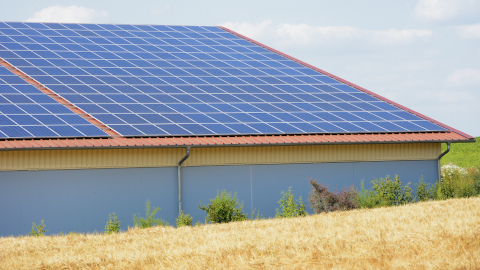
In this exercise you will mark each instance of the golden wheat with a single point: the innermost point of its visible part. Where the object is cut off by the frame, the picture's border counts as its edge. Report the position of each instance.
(431, 235)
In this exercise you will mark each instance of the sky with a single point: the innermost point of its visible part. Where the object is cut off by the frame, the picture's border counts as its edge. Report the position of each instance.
(422, 54)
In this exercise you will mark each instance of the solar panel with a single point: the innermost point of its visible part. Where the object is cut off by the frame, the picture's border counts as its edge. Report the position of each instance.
(25, 112)
(185, 80)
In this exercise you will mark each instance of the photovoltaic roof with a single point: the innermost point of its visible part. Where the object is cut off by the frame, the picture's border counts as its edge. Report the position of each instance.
(149, 80)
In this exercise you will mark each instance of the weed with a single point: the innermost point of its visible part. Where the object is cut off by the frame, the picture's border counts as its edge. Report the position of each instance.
(290, 207)
(149, 220)
(183, 220)
(113, 224)
(38, 230)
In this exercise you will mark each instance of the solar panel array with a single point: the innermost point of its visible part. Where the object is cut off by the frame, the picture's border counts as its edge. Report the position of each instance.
(25, 111)
(188, 80)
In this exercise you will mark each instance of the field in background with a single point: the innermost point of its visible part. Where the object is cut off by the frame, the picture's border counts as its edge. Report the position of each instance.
(431, 235)
(463, 154)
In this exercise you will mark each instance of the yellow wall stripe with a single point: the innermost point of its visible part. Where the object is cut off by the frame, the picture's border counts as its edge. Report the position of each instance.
(212, 156)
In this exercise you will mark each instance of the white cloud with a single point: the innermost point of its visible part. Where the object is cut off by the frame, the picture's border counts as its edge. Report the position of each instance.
(303, 34)
(464, 77)
(249, 29)
(439, 10)
(469, 31)
(71, 14)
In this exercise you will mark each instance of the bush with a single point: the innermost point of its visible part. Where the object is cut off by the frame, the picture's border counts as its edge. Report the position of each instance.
(183, 220)
(323, 200)
(385, 192)
(369, 198)
(425, 192)
(38, 230)
(113, 224)
(475, 175)
(149, 220)
(458, 182)
(224, 208)
(290, 207)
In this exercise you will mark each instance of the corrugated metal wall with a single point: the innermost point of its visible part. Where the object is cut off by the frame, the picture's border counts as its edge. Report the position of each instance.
(167, 157)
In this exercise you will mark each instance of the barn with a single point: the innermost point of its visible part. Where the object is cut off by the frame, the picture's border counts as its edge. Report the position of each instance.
(100, 118)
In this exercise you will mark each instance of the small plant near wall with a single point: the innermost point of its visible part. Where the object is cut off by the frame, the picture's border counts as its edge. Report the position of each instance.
(38, 230)
(289, 206)
(113, 224)
(149, 220)
(183, 220)
(425, 192)
(224, 208)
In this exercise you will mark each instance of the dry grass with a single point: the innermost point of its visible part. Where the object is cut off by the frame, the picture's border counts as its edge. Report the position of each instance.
(432, 235)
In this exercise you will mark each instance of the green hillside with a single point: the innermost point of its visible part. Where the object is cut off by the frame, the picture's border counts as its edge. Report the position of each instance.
(463, 154)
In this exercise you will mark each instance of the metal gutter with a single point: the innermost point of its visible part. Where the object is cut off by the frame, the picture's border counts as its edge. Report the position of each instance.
(439, 165)
(179, 175)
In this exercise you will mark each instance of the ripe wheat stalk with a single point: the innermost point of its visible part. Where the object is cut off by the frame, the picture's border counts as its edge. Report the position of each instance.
(431, 235)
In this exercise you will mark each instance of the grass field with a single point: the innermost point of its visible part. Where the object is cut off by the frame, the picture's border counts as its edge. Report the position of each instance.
(463, 154)
(431, 235)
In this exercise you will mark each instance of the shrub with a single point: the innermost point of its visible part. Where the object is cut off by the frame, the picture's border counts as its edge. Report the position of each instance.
(323, 200)
(113, 224)
(149, 220)
(224, 208)
(369, 198)
(385, 192)
(290, 207)
(183, 220)
(475, 175)
(38, 230)
(425, 192)
(459, 183)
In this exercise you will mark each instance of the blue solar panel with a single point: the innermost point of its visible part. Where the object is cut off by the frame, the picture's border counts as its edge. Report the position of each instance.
(180, 80)
(27, 112)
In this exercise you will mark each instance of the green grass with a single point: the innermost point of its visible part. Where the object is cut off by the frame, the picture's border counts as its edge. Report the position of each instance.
(463, 154)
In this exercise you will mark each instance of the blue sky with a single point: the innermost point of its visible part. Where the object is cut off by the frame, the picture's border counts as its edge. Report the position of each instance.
(423, 54)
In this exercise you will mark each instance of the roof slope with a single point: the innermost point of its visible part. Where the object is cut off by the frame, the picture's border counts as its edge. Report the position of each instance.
(151, 80)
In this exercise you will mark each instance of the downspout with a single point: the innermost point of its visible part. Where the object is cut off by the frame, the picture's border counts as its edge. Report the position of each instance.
(180, 179)
(439, 166)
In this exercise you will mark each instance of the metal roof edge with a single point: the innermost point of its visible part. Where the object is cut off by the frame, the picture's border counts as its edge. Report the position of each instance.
(347, 82)
(226, 145)
(229, 141)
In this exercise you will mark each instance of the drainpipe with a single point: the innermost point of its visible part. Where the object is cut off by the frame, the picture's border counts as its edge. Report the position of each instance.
(180, 179)
(439, 166)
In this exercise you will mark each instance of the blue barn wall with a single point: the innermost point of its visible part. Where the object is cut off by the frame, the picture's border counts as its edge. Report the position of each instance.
(80, 200)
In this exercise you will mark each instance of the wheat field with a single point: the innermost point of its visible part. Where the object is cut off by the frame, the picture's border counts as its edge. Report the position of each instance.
(431, 235)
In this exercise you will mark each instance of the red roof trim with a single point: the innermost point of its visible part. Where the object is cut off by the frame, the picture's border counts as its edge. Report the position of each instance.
(348, 83)
(261, 140)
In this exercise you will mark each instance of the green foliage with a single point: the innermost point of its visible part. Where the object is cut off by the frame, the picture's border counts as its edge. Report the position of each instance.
(425, 192)
(463, 154)
(385, 192)
(224, 208)
(149, 220)
(369, 198)
(475, 176)
(38, 230)
(113, 224)
(183, 220)
(289, 206)
(459, 184)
